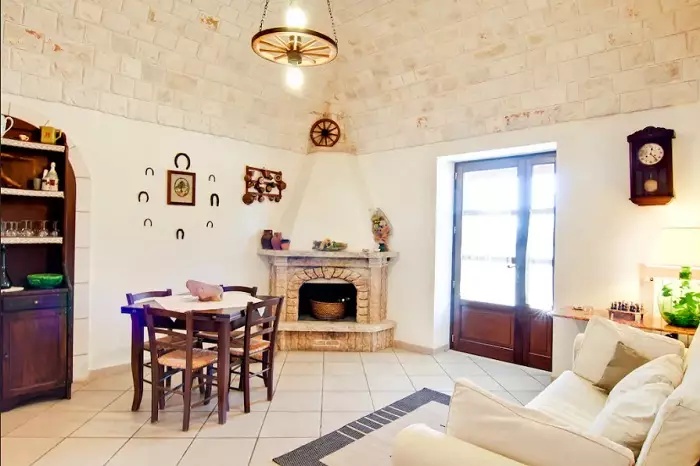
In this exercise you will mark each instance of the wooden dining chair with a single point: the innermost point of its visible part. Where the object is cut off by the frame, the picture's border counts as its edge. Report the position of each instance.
(257, 340)
(175, 355)
(212, 337)
(251, 290)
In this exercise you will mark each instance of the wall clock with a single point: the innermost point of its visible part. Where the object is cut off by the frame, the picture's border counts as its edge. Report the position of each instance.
(651, 166)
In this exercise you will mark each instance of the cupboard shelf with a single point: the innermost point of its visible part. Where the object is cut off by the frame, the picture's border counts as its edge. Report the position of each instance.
(32, 145)
(31, 240)
(31, 193)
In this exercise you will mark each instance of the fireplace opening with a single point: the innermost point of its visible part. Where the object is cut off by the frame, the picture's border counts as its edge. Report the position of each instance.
(328, 301)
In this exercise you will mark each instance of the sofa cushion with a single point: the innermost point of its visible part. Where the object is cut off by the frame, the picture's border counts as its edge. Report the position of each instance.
(571, 399)
(624, 361)
(524, 434)
(666, 369)
(600, 341)
(627, 418)
(674, 438)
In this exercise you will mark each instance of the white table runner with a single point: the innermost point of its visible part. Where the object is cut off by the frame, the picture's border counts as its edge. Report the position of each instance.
(231, 299)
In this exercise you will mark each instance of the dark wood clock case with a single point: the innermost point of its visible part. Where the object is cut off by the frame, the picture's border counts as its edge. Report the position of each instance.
(661, 172)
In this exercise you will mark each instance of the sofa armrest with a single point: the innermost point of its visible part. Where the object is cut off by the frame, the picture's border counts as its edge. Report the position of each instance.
(419, 445)
(578, 341)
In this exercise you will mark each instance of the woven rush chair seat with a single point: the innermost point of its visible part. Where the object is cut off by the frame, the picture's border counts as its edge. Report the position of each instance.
(256, 345)
(169, 341)
(178, 358)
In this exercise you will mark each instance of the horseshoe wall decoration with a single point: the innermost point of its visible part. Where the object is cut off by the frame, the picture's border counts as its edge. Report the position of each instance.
(144, 193)
(210, 224)
(187, 157)
(152, 172)
(148, 222)
(212, 178)
(212, 198)
(180, 234)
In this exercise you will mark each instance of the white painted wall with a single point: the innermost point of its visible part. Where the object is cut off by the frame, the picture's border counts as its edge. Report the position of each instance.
(601, 237)
(124, 255)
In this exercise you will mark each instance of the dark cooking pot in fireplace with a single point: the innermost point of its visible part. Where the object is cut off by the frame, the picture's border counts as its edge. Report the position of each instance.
(328, 311)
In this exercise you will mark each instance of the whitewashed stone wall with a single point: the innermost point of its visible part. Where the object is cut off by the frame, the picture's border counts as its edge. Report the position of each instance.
(421, 72)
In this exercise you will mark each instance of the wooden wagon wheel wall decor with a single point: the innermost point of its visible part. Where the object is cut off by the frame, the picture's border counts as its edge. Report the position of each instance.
(325, 133)
(261, 183)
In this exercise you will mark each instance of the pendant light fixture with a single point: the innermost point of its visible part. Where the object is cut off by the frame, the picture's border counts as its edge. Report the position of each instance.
(294, 45)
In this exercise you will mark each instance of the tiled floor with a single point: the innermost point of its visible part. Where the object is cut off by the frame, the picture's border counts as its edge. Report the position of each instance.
(316, 393)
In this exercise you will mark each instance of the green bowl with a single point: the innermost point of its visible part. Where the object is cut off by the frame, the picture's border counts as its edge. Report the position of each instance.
(45, 280)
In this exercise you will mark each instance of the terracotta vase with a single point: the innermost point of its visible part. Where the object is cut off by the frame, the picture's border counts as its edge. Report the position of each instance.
(266, 239)
(277, 241)
(285, 244)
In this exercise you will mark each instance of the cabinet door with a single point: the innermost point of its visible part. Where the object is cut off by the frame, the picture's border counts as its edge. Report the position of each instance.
(34, 351)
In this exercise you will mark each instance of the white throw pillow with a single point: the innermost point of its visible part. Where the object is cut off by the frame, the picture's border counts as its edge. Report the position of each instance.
(666, 369)
(524, 434)
(600, 341)
(628, 418)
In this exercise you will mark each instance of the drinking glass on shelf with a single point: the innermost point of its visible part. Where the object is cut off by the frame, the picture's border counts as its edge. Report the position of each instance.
(11, 229)
(26, 230)
(3, 228)
(43, 232)
(54, 232)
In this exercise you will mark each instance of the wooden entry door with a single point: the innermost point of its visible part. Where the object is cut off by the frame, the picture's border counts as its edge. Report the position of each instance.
(503, 264)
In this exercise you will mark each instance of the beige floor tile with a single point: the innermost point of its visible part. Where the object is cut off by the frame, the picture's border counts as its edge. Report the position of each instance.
(302, 368)
(300, 382)
(334, 420)
(452, 357)
(238, 425)
(518, 382)
(11, 420)
(379, 358)
(340, 356)
(493, 367)
(343, 368)
(82, 452)
(106, 425)
(506, 396)
(382, 399)
(24, 451)
(175, 403)
(123, 402)
(384, 369)
(456, 370)
(118, 382)
(423, 368)
(304, 356)
(535, 372)
(258, 400)
(345, 383)
(291, 425)
(169, 425)
(268, 448)
(87, 401)
(150, 452)
(296, 401)
(219, 452)
(484, 381)
(525, 396)
(406, 357)
(37, 406)
(53, 424)
(545, 380)
(389, 382)
(433, 382)
(347, 401)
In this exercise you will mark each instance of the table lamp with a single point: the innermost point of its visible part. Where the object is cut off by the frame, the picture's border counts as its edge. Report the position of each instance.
(679, 301)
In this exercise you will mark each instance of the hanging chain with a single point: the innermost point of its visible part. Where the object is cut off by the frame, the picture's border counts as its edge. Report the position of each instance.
(330, 13)
(262, 20)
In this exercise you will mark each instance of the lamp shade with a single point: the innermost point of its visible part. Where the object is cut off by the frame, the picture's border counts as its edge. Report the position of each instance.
(679, 247)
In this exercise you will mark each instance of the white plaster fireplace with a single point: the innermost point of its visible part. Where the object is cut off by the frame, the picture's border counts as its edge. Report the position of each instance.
(369, 330)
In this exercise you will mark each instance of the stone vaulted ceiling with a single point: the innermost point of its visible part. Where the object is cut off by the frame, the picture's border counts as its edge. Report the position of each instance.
(409, 72)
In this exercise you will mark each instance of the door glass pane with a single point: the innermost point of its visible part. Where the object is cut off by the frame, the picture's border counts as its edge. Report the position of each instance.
(540, 241)
(489, 231)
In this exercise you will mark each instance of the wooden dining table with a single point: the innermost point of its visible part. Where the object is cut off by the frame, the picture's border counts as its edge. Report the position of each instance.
(221, 321)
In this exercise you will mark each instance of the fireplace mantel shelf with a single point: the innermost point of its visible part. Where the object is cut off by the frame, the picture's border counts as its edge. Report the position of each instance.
(328, 255)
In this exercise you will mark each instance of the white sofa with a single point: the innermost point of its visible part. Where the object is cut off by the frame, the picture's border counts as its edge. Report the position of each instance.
(559, 417)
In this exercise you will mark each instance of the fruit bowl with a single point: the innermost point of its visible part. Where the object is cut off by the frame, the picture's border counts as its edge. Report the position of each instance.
(45, 280)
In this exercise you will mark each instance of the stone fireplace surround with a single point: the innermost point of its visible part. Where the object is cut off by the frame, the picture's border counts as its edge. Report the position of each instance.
(367, 271)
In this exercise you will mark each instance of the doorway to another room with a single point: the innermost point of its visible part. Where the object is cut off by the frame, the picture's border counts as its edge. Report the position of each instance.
(503, 259)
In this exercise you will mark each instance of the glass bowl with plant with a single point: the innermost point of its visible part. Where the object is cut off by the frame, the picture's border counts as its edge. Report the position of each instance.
(679, 301)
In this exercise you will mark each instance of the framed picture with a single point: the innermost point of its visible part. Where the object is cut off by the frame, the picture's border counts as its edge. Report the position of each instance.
(181, 188)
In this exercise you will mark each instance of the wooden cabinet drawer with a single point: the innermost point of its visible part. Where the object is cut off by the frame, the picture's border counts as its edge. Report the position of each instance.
(32, 301)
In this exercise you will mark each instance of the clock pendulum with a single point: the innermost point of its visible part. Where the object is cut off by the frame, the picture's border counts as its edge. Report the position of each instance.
(651, 185)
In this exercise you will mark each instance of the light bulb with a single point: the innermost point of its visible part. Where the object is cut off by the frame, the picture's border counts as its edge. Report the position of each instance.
(296, 17)
(295, 78)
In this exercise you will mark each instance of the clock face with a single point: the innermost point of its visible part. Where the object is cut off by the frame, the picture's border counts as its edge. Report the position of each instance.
(650, 153)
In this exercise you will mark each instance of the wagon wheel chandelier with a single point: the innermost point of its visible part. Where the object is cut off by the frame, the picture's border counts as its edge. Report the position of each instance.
(294, 45)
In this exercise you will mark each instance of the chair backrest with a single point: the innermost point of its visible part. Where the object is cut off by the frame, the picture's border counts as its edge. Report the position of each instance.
(253, 291)
(132, 298)
(161, 322)
(261, 319)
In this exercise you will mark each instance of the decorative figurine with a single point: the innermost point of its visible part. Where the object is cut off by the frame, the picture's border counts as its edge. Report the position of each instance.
(51, 179)
(381, 230)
